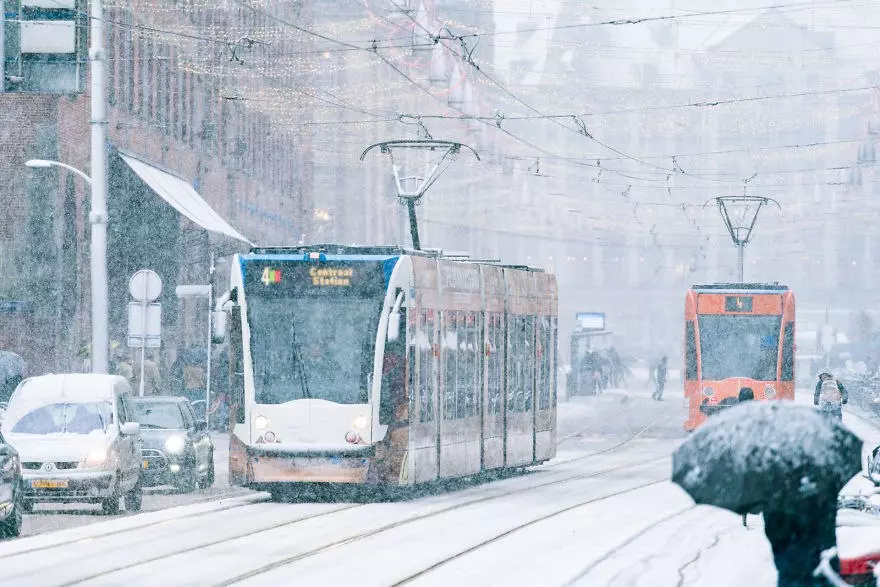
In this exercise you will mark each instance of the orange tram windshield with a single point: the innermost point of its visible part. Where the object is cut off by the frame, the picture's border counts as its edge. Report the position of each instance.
(737, 335)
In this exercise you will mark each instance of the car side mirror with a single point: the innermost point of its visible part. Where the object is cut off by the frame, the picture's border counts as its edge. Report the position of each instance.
(201, 426)
(218, 326)
(130, 429)
(393, 326)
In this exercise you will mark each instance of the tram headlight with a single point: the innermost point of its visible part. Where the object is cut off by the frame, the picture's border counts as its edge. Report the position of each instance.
(352, 437)
(261, 422)
(269, 436)
(708, 391)
(360, 423)
(769, 392)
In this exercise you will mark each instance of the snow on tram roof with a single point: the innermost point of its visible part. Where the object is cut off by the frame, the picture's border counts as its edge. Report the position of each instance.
(384, 250)
(740, 288)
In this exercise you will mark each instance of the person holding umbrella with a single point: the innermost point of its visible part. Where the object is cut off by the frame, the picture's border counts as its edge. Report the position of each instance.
(785, 461)
(830, 395)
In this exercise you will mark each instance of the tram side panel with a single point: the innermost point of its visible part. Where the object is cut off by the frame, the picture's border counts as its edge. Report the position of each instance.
(423, 423)
(520, 369)
(493, 367)
(461, 306)
(545, 373)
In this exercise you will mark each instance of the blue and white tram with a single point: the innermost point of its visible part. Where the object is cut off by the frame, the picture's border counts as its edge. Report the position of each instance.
(386, 366)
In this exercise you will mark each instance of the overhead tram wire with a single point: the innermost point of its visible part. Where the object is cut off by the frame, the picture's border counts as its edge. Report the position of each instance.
(421, 88)
(517, 138)
(582, 128)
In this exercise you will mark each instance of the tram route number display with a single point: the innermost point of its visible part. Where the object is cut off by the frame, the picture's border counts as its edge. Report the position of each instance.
(299, 278)
(738, 304)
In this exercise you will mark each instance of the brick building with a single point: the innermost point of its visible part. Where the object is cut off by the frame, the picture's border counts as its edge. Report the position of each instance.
(164, 110)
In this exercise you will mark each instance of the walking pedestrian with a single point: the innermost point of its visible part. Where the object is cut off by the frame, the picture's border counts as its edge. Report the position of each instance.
(830, 395)
(662, 371)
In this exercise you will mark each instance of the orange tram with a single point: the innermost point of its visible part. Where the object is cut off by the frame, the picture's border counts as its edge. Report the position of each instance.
(737, 335)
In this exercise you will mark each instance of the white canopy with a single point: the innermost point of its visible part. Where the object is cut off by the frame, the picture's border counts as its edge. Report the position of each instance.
(182, 197)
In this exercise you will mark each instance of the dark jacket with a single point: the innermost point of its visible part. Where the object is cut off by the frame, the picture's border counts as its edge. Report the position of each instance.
(818, 392)
(662, 371)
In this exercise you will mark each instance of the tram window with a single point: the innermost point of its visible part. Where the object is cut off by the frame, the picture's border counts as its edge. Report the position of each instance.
(788, 352)
(530, 364)
(690, 341)
(426, 343)
(468, 368)
(447, 380)
(554, 340)
(545, 345)
(494, 347)
(521, 363)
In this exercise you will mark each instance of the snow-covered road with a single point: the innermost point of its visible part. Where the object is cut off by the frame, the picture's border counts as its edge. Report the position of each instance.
(602, 513)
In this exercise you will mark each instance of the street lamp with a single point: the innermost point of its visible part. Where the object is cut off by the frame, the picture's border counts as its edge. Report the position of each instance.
(44, 163)
(98, 254)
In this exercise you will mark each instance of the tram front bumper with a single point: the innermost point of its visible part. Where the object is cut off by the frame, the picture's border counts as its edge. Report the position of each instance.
(279, 464)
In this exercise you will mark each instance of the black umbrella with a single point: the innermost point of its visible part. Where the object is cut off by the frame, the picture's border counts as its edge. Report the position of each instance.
(762, 455)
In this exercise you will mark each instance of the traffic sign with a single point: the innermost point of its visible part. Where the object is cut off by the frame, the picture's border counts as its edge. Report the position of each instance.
(144, 324)
(145, 286)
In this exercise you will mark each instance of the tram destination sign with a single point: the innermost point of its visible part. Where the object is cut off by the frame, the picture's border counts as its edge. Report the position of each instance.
(309, 278)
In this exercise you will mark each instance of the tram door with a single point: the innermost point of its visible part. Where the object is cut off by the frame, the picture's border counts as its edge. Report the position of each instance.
(424, 434)
(493, 368)
(545, 372)
(520, 369)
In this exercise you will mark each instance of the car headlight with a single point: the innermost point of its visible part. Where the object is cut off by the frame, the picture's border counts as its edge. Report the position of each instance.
(359, 423)
(97, 457)
(261, 422)
(175, 444)
(8, 466)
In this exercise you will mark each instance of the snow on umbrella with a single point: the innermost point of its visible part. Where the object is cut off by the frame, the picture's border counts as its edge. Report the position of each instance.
(763, 455)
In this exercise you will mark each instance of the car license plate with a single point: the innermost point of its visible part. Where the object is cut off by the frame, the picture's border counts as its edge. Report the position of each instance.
(49, 483)
(146, 464)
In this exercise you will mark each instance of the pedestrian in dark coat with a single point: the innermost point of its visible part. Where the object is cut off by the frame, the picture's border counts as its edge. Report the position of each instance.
(662, 370)
(833, 406)
(799, 535)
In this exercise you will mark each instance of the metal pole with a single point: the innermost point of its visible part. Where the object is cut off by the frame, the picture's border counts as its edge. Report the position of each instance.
(210, 307)
(98, 214)
(413, 223)
(143, 339)
(3, 50)
(740, 253)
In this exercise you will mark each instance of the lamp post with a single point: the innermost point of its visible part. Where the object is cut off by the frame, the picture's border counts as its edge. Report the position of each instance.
(98, 254)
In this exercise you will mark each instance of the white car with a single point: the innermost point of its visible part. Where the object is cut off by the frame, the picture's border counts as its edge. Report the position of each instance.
(77, 440)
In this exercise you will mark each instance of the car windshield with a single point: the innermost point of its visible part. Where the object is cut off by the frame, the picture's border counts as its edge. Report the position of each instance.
(69, 418)
(739, 346)
(161, 415)
(318, 348)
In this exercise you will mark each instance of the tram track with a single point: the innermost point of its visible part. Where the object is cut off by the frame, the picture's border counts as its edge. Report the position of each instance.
(257, 499)
(397, 524)
(624, 543)
(348, 539)
(519, 527)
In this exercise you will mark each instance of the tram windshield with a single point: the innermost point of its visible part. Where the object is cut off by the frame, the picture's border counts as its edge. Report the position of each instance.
(739, 346)
(312, 338)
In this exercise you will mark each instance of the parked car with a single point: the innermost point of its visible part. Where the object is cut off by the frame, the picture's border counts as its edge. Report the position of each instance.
(177, 450)
(10, 491)
(77, 440)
